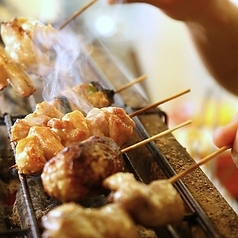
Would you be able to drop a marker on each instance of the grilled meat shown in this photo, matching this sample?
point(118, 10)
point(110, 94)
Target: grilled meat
point(40, 117)
point(77, 171)
point(13, 73)
point(40, 137)
point(153, 205)
point(82, 97)
point(94, 94)
point(19, 37)
point(112, 122)
point(72, 220)
point(36, 149)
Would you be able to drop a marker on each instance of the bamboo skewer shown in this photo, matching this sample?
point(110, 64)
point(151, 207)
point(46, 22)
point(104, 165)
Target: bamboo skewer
point(137, 80)
point(155, 137)
point(158, 103)
point(201, 162)
point(76, 14)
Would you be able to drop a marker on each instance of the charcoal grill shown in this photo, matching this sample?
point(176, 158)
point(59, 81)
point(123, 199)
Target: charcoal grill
point(162, 158)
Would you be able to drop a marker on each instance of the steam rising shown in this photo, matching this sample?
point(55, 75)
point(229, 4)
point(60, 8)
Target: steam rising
point(62, 70)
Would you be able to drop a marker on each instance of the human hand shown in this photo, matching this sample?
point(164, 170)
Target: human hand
point(184, 10)
point(228, 135)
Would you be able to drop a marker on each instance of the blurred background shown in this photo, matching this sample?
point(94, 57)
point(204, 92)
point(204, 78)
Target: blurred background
point(145, 41)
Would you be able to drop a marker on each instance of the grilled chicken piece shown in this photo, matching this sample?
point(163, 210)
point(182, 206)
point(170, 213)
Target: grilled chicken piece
point(72, 220)
point(19, 80)
point(19, 37)
point(72, 128)
point(32, 152)
point(98, 98)
point(153, 205)
point(83, 97)
point(112, 122)
point(45, 108)
point(40, 117)
point(77, 171)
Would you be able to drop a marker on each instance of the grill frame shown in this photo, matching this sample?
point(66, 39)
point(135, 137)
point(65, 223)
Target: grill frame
point(196, 211)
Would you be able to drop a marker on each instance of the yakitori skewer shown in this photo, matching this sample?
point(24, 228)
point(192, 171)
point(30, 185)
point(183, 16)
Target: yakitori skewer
point(109, 93)
point(76, 163)
point(196, 165)
point(155, 137)
point(158, 103)
point(76, 14)
point(137, 80)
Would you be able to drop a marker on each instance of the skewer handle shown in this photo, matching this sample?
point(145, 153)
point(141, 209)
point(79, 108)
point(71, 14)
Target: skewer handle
point(196, 165)
point(158, 103)
point(137, 80)
point(76, 14)
point(155, 137)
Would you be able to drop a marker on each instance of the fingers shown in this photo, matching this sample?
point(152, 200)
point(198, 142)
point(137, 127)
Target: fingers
point(234, 151)
point(228, 135)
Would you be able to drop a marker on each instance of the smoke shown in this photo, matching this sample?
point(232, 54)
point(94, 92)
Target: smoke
point(61, 71)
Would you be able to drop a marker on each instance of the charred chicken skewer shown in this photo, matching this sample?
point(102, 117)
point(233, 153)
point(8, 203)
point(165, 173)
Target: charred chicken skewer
point(158, 201)
point(62, 131)
point(153, 205)
point(77, 171)
point(19, 36)
point(45, 111)
point(27, 41)
point(86, 96)
point(83, 97)
point(86, 164)
point(34, 46)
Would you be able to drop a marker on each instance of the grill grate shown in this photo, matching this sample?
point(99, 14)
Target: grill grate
point(195, 214)
point(35, 232)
